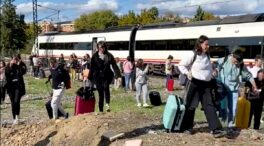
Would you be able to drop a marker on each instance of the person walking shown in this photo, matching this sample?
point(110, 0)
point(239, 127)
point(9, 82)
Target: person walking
point(168, 69)
point(141, 83)
point(102, 75)
point(60, 79)
point(231, 72)
point(200, 75)
point(15, 85)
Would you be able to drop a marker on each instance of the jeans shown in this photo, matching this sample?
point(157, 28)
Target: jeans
point(127, 80)
point(230, 108)
point(141, 88)
point(15, 102)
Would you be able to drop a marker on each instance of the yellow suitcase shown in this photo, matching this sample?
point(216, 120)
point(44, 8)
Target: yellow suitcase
point(243, 111)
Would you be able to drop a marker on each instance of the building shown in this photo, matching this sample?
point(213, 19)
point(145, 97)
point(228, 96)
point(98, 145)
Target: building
point(66, 26)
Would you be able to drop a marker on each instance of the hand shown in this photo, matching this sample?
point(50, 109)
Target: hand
point(255, 90)
point(214, 73)
point(119, 79)
point(189, 75)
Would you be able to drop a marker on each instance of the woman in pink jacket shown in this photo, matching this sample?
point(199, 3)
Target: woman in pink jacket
point(128, 68)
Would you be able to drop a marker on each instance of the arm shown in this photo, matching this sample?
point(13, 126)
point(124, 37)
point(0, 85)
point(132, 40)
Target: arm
point(91, 72)
point(115, 67)
point(248, 77)
point(184, 64)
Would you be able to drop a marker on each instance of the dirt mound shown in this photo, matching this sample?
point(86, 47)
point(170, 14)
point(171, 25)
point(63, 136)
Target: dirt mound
point(87, 129)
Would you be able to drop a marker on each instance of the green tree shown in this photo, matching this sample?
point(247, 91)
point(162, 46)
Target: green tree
point(203, 15)
point(128, 19)
point(13, 29)
point(96, 20)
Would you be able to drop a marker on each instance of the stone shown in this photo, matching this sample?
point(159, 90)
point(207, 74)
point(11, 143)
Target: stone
point(136, 142)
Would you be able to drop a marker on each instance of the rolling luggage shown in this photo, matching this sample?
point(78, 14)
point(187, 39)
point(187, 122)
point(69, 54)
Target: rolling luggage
point(49, 110)
point(154, 98)
point(85, 100)
point(170, 85)
point(173, 113)
point(243, 112)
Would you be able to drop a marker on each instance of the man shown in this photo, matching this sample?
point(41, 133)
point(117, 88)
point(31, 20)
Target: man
point(60, 78)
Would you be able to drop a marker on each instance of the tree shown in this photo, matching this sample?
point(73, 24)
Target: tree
point(13, 29)
point(149, 16)
point(96, 20)
point(203, 15)
point(128, 19)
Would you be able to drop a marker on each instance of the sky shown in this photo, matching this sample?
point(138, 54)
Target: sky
point(72, 9)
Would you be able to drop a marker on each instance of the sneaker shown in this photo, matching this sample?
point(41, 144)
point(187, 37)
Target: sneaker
point(66, 116)
point(145, 105)
point(218, 133)
point(189, 131)
point(15, 122)
point(139, 105)
point(107, 108)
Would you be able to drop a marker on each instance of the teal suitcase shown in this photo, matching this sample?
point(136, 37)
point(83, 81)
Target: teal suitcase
point(173, 113)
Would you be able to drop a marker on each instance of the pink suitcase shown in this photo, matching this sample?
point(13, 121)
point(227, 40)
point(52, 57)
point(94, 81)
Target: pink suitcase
point(84, 106)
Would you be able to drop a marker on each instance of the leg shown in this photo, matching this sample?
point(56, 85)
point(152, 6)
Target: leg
point(257, 113)
point(126, 80)
point(12, 99)
point(17, 102)
point(107, 93)
point(145, 93)
point(100, 90)
point(210, 111)
point(232, 105)
point(55, 102)
point(59, 101)
point(138, 92)
point(251, 113)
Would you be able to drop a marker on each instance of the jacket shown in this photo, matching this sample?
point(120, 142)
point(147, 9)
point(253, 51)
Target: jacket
point(141, 75)
point(100, 69)
point(232, 75)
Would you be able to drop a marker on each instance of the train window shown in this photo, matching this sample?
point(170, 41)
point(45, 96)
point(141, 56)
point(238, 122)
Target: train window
point(218, 51)
point(144, 45)
point(117, 45)
point(177, 45)
point(81, 46)
point(160, 45)
point(251, 51)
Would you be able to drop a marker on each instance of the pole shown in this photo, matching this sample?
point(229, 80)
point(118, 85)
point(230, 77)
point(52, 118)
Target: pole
point(35, 25)
point(1, 33)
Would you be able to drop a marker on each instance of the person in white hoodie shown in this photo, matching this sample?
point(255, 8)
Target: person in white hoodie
point(199, 71)
point(141, 83)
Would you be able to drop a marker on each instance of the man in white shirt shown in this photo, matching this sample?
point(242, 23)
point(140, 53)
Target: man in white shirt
point(258, 65)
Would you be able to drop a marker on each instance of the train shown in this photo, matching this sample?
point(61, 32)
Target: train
point(155, 42)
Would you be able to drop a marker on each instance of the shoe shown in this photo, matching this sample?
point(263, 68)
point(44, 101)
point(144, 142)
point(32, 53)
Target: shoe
point(107, 108)
point(66, 116)
point(139, 105)
point(218, 133)
point(15, 122)
point(189, 132)
point(146, 105)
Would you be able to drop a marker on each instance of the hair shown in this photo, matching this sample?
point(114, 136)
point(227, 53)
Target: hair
point(261, 71)
point(128, 58)
point(258, 57)
point(102, 44)
point(87, 55)
point(53, 60)
point(18, 56)
point(3, 62)
point(170, 57)
point(199, 41)
point(238, 55)
point(140, 63)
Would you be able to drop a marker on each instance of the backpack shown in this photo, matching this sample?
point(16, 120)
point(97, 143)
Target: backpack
point(183, 79)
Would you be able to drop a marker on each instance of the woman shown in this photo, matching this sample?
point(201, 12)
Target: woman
point(15, 86)
point(168, 69)
point(2, 81)
point(200, 75)
point(141, 83)
point(257, 103)
point(127, 68)
point(102, 75)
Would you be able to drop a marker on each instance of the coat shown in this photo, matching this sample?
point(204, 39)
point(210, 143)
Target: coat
point(101, 69)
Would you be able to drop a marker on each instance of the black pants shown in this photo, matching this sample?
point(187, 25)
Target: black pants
point(104, 93)
point(200, 91)
point(256, 110)
point(2, 94)
point(15, 102)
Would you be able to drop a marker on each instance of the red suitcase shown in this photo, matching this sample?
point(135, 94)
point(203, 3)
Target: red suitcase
point(84, 106)
point(170, 85)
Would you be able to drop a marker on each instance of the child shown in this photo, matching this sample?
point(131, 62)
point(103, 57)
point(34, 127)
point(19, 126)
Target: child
point(257, 103)
point(141, 83)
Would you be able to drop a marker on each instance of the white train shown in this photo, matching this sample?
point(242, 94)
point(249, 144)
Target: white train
point(154, 43)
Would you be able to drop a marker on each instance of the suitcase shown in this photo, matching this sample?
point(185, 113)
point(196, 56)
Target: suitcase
point(84, 105)
point(170, 85)
point(173, 113)
point(49, 110)
point(154, 98)
point(243, 112)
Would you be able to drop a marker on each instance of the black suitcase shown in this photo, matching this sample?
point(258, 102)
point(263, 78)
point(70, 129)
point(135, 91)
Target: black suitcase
point(49, 110)
point(154, 98)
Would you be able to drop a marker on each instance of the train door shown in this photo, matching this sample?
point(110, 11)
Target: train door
point(95, 40)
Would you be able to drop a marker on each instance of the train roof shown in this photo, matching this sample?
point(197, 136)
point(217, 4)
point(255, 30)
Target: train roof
point(226, 20)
